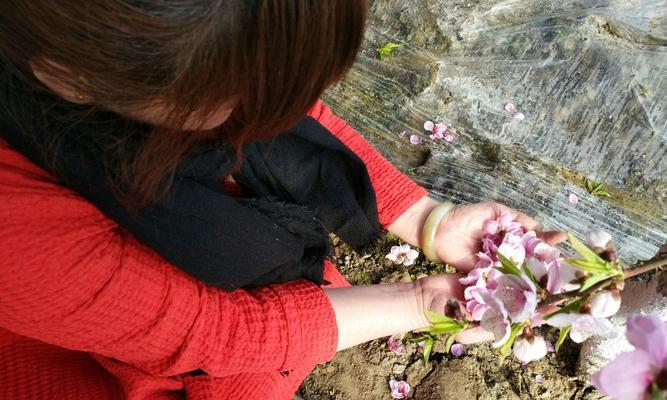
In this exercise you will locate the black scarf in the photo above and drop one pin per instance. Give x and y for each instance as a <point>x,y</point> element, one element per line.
<point>301,186</point>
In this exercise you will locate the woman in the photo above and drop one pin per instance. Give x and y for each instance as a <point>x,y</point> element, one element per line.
<point>129,125</point>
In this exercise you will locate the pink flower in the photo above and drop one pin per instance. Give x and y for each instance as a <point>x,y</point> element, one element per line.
<point>544,260</point>
<point>583,326</point>
<point>495,320</point>
<point>415,140</point>
<point>508,225</point>
<point>438,131</point>
<point>457,350</point>
<point>402,255</point>
<point>573,199</point>
<point>539,378</point>
<point>527,349</point>
<point>630,374</point>
<point>511,109</point>
<point>395,345</point>
<point>482,277</point>
<point>490,226</point>
<point>448,137</point>
<point>512,249</point>
<point>475,304</point>
<point>626,378</point>
<point>518,295</point>
<point>649,334</point>
<point>479,280</point>
<point>399,389</point>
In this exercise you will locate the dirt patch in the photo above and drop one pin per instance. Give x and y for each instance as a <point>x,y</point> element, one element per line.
<point>363,372</point>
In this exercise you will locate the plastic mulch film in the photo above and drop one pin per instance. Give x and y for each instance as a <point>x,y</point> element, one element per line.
<point>589,78</point>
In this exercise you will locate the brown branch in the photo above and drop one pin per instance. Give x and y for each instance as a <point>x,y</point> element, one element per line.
<point>655,263</point>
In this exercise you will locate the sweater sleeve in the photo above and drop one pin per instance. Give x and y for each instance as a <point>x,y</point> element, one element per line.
<point>71,277</point>
<point>394,191</point>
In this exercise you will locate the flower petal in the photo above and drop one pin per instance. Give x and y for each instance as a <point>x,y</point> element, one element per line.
<point>649,333</point>
<point>429,125</point>
<point>605,303</point>
<point>573,199</point>
<point>529,349</point>
<point>457,350</point>
<point>627,377</point>
<point>510,108</point>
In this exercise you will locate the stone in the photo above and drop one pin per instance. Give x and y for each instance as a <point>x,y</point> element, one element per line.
<point>397,370</point>
<point>417,371</point>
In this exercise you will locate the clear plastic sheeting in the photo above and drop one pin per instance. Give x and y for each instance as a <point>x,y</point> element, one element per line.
<point>589,76</point>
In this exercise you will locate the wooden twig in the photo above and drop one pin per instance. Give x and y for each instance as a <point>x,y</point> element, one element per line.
<point>655,263</point>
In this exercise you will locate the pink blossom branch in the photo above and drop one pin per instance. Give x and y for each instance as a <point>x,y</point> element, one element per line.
<point>653,264</point>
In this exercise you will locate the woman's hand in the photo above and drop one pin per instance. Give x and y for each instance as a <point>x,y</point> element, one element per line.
<point>435,291</point>
<point>459,234</point>
<point>371,311</point>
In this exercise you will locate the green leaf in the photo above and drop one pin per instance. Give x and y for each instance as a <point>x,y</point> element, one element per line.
<point>435,318</point>
<point>588,266</point>
<point>507,346</point>
<point>449,342</point>
<point>584,251</point>
<point>427,349</point>
<point>596,189</point>
<point>439,331</point>
<point>561,337</point>
<point>529,273</point>
<point>592,280</point>
<point>572,306</point>
<point>508,266</point>
<point>387,49</point>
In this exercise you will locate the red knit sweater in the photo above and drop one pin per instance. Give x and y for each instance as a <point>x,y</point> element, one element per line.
<point>87,312</point>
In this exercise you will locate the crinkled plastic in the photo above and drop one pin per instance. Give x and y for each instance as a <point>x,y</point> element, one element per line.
<point>589,77</point>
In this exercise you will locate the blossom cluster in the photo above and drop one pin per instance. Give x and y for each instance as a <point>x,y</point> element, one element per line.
<point>514,272</point>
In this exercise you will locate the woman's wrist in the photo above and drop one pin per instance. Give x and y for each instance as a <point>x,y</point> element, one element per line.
<point>369,312</point>
<point>410,224</point>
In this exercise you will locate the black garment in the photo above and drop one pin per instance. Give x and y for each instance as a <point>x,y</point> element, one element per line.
<point>301,186</point>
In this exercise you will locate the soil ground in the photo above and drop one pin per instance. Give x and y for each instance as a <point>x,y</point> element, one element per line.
<point>363,372</point>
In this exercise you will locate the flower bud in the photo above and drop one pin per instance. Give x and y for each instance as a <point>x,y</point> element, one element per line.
<point>605,303</point>
<point>527,349</point>
<point>598,239</point>
<point>602,244</point>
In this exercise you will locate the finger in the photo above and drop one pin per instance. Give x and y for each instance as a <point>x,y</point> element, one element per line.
<point>474,335</point>
<point>465,263</point>
<point>526,222</point>
<point>552,237</point>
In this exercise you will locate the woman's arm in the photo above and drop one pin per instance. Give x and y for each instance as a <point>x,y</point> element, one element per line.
<point>71,277</point>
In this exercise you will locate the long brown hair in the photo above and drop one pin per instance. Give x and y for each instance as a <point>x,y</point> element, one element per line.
<point>273,57</point>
